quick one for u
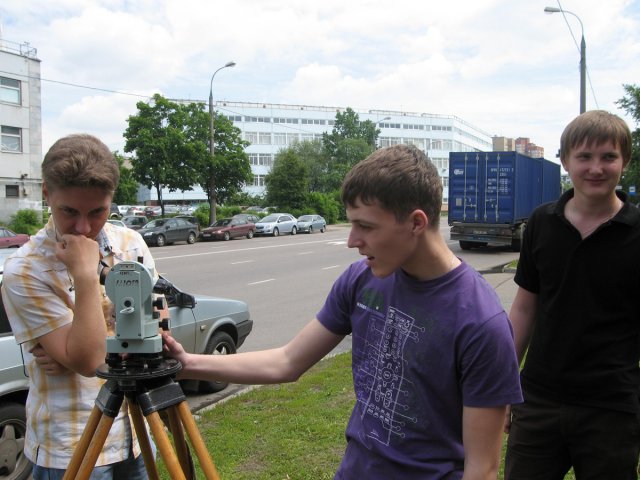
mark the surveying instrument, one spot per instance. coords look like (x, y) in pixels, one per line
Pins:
(135, 369)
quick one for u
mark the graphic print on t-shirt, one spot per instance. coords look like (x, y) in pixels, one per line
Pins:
(380, 379)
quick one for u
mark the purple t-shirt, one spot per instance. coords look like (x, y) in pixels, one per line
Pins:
(421, 351)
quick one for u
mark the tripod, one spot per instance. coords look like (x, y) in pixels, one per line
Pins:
(148, 387)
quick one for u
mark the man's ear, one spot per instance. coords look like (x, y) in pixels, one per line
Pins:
(419, 220)
(45, 192)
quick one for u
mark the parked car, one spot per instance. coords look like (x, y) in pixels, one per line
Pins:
(136, 210)
(14, 386)
(153, 211)
(123, 209)
(10, 239)
(115, 211)
(119, 223)
(277, 223)
(311, 223)
(228, 228)
(164, 231)
(135, 222)
(249, 217)
(190, 218)
(202, 324)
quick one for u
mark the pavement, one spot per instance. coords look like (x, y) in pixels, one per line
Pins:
(499, 277)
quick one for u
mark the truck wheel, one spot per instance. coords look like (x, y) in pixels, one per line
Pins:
(465, 245)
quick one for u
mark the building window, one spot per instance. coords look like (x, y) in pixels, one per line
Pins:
(265, 159)
(279, 138)
(251, 137)
(10, 90)
(12, 191)
(11, 139)
(258, 180)
(264, 138)
(253, 158)
(292, 138)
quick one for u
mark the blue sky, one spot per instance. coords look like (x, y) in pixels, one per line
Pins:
(502, 65)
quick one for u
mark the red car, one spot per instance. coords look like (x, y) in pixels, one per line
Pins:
(228, 228)
(9, 239)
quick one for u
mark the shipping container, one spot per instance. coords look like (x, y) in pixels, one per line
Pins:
(492, 194)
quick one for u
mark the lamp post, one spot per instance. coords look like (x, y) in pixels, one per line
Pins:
(583, 57)
(212, 180)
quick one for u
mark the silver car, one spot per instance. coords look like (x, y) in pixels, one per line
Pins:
(202, 324)
(277, 223)
(311, 223)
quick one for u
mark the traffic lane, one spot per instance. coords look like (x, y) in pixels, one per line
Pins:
(284, 287)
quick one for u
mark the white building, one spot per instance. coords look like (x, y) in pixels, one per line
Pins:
(20, 129)
(272, 127)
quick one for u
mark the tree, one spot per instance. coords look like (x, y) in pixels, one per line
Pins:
(287, 182)
(168, 144)
(223, 176)
(349, 142)
(127, 191)
(630, 103)
(313, 155)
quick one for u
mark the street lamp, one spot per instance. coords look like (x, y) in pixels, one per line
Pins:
(212, 180)
(583, 57)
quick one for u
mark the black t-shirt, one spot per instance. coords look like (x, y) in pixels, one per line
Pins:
(585, 345)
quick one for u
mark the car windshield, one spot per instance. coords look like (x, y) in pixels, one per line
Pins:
(270, 218)
(222, 223)
(155, 223)
(305, 218)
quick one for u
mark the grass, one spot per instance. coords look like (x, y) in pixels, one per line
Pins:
(284, 432)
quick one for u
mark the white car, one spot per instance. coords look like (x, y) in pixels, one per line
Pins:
(277, 223)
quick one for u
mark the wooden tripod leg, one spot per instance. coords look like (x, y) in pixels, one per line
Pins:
(179, 440)
(206, 463)
(143, 440)
(83, 444)
(166, 450)
(95, 447)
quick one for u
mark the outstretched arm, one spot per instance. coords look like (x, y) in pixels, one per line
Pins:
(278, 365)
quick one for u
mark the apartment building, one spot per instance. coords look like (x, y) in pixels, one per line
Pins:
(20, 129)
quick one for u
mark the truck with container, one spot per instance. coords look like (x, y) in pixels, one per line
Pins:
(492, 194)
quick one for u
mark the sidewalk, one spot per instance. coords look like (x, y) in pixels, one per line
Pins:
(504, 285)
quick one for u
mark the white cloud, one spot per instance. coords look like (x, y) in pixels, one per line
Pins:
(502, 65)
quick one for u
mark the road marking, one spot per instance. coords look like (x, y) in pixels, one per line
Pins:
(244, 261)
(261, 281)
(306, 253)
(332, 266)
(233, 250)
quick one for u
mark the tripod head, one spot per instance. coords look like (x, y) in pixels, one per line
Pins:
(129, 285)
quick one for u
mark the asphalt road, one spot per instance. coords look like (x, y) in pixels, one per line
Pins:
(284, 280)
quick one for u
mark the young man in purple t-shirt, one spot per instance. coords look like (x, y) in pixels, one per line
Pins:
(434, 363)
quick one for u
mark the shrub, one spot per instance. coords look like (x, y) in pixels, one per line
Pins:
(323, 204)
(26, 221)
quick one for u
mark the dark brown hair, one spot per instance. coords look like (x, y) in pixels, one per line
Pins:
(400, 178)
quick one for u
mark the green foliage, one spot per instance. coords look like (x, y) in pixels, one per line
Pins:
(349, 142)
(323, 204)
(287, 183)
(202, 214)
(630, 103)
(26, 221)
(127, 191)
(169, 144)
(291, 431)
(313, 155)
(228, 211)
